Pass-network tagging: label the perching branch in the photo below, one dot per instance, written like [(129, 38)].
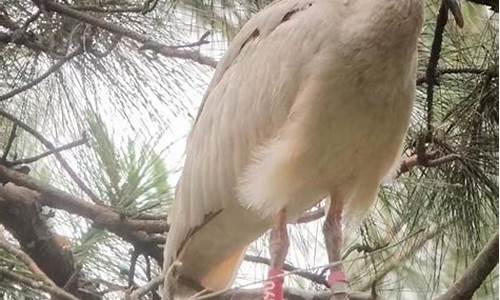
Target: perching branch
[(475, 274), (143, 290), (290, 294), (308, 275), (150, 44)]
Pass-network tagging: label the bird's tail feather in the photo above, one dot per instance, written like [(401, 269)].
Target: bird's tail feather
[(222, 275)]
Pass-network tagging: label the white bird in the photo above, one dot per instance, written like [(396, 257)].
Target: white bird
[(311, 100)]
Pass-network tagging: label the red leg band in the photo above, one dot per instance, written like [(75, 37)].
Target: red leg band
[(273, 287), (338, 282), (337, 277)]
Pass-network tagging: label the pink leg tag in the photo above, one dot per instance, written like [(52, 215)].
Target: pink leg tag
[(273, 287), (338, 283)]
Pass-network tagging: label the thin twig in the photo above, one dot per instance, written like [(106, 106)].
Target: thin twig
[(37, 80), (131, 271), (308, 275), (397, 260), (148, 287), (58, 156), (30, 160), (362, 248), (478, 71), (73, 278), (430, 160), (202, 41), (30, 20), (10, 141)]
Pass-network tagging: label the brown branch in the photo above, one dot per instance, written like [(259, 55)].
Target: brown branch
[(430, 160), (58, 156), (23, 220), (430, 73), (308, 275), (133, 231), (102, 216), (475, 274), (122, 31), (58, 293), (30, 160)]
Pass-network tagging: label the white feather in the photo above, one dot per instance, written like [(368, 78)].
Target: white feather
[(312, 98)]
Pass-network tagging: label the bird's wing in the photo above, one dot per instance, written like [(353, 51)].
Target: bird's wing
[(247, 103)]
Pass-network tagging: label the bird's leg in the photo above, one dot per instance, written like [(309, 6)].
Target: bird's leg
[(332, 229), (278, 248)]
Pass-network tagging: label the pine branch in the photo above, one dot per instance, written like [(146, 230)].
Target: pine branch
[(133, 231)]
